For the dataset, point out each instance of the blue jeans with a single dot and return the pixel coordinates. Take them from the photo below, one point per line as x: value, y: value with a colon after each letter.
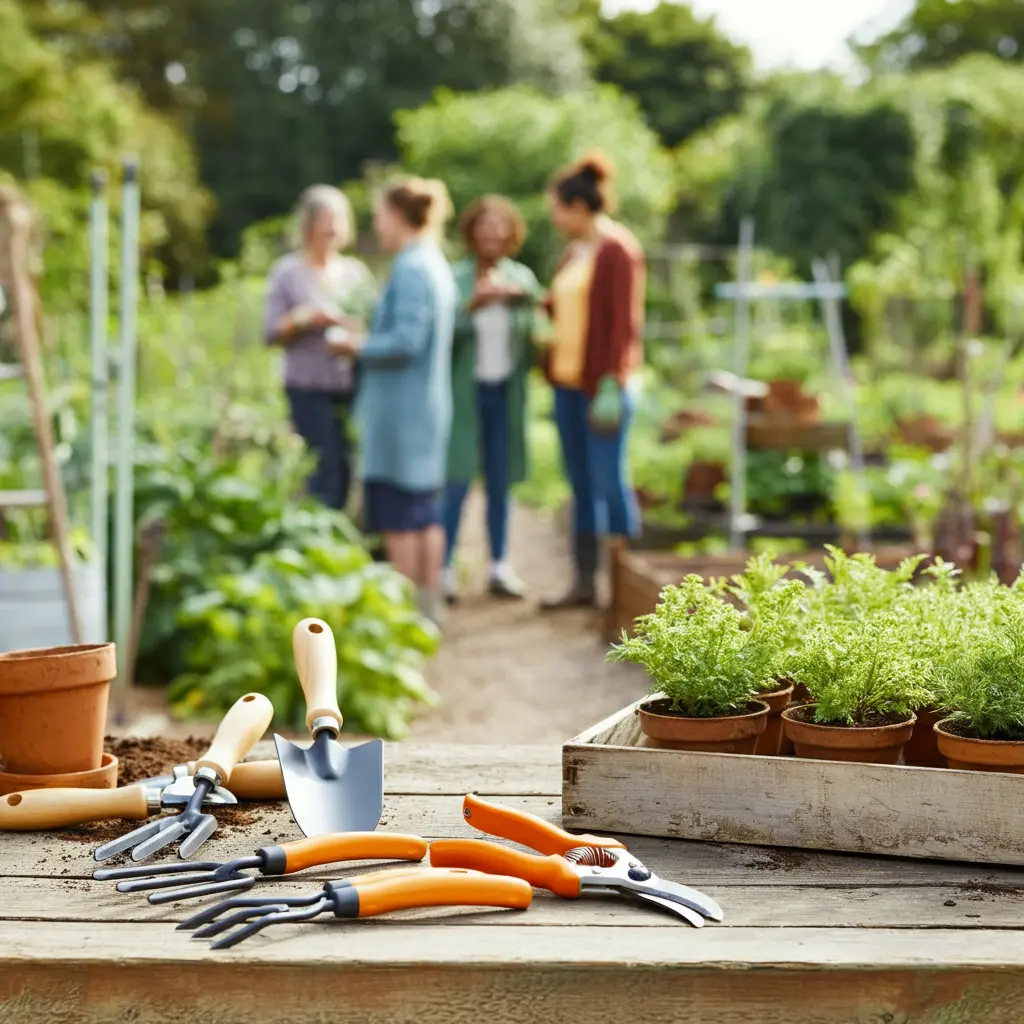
x: 322, y: 419
x: 492, y: 417
x: 597, y: 468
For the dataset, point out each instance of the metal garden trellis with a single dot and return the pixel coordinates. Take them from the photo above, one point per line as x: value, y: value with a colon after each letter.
x: 744, y: 292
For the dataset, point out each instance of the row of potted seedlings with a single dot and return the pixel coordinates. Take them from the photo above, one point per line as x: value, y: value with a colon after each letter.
x: 854, y: 664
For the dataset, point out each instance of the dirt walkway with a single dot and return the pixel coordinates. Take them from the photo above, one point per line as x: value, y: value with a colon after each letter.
x: 507, y: 673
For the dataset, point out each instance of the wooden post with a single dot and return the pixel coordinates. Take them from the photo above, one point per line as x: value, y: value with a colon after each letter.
x: 16, y: 229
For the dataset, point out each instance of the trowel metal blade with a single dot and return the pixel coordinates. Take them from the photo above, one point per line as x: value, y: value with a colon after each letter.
x: 345, y: 796
x: 180, y: 792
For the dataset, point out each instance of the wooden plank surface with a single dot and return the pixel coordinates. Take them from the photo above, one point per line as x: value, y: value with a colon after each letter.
x: 612, y: 782
x: 809, y: 938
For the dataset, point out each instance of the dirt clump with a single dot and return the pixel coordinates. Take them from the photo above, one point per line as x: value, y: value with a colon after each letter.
x: 139, y: 759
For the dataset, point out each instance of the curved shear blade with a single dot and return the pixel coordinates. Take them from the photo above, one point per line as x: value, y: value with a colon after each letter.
x: 685, y: 896
x: 670, y: 905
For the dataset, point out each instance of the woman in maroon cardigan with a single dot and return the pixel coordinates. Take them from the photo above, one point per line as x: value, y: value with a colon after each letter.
x: 597, y: 309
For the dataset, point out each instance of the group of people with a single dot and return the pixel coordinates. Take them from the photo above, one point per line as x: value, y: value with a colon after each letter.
x: 436, y: 380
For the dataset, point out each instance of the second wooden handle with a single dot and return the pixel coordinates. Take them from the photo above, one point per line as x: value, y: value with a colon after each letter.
x: 254, y: 780
x: 316, y: 661
x: 58, y: 808
x: 239, y: 731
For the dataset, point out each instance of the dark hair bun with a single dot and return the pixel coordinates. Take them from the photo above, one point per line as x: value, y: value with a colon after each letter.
x: 596, y: 165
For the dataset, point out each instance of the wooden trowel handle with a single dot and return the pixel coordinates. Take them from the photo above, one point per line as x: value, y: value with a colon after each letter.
x: 316, y: 660
x: 239, y: 731
x: 37, y: 809
x: 254, y: 780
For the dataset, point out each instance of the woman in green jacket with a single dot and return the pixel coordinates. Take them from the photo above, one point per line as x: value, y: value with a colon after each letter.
x: 491, y: 360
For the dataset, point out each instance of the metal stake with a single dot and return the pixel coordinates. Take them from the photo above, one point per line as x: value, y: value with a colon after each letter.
x: 738, y: 494
x: 124, y: 529
x: 99, y: 282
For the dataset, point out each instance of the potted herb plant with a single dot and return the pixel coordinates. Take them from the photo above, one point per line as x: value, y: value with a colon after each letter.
x: 864, y: 682
x: 758, y: 590
x: 706, y: 668
x: 981, y: 687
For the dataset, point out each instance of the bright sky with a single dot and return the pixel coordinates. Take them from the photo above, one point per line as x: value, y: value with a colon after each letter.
x: 805, y: 34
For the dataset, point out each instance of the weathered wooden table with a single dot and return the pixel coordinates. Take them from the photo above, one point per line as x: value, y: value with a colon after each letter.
x: 808, y: 939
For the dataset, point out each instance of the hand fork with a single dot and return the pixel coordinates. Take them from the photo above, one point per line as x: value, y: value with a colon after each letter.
x: 246, y: 721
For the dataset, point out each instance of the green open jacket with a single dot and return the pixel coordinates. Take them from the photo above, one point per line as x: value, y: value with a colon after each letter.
x: 464, y: 445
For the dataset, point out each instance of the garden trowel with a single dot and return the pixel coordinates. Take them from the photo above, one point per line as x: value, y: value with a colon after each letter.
x: 330, y: 787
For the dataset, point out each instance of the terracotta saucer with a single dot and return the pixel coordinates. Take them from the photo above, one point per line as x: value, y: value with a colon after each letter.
x: 104, y: 777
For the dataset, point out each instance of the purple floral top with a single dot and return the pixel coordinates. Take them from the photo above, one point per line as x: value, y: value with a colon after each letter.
x: 308, y: 362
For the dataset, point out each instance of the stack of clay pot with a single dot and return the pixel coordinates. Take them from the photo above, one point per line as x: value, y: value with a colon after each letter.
x: 53, y: 712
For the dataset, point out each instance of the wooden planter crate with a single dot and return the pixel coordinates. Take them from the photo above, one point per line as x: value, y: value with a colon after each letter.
x: 611, y: 782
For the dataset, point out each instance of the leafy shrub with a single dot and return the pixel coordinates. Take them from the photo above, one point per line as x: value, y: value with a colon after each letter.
x: 698, y: 653
x: 860, y: 672
x: 982, y: 683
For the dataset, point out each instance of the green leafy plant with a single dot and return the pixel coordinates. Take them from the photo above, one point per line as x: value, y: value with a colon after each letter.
x: 860, y: 672
x: 698, y: 653
x: 982, y: 684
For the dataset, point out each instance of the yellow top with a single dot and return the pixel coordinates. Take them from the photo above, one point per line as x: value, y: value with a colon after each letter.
x: 570, y: 290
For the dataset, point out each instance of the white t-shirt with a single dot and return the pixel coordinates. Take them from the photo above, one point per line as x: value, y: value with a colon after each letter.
x: 493, y: 343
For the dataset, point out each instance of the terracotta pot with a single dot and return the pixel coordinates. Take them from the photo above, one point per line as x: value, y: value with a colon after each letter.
x: 104, y: 777
x: 800, y: 696
x: 53, y: 708
x: 770, y: 741
x: 733, y: 734
x: 922, y: 751
x: 881, y: 745
x: 968, y: 754
x: 702, y: 478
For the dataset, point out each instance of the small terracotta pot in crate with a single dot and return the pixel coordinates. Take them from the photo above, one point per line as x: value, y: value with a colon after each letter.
x: 729, y: 734
x: 881, y: 744
x: 968, y: 754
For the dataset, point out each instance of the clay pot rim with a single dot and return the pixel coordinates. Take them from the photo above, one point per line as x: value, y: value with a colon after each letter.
x: 104, y: 777
x: 765, y: 694
x: 989, y: 744
x: 52, y: 669
x: 852, y: 729
x: 764, y: 709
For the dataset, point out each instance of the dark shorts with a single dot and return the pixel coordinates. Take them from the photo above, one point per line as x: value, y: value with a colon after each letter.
x: 391, y: 509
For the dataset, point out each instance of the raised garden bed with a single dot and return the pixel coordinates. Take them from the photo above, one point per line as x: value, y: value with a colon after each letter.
x: 613, y: 782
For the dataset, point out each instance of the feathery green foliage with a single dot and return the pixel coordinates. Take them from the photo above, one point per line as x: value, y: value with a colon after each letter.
x: 698, y: 653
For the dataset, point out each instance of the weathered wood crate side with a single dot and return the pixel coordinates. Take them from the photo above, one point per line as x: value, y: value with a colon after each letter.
x: 612, y: 783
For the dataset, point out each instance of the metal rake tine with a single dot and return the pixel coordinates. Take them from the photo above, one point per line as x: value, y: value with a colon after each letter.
x: 156, y: 843
x: 205, y: 828
x: 145, y: 884
x: 246, y: 901
x: 239, y: 884
x: 108, y: 874
x: 281, y: 917
x: 130, y: 839
x: 224, y: 923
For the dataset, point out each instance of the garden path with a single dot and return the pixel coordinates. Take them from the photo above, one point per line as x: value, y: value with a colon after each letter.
x: 508, y: 673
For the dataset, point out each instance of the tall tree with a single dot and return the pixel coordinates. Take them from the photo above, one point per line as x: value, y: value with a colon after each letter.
x: 683, y: 70
x: 938, y: 32
x: 279, y: 93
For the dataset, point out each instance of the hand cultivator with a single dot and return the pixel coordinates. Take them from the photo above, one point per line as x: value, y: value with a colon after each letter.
x: 175, y: 882
x: 241, y: 727
x: 362, y: 896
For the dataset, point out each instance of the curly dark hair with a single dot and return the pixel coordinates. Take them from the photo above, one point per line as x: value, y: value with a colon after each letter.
x: 501, y: 206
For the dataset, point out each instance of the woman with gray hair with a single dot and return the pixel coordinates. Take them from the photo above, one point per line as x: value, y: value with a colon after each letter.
x: 311, y: 291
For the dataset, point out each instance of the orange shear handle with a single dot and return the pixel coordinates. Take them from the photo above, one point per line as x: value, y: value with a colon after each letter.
x: 406, y: 890
x: 341, y: 846
x: 527, y: 829
x: 553, y: 873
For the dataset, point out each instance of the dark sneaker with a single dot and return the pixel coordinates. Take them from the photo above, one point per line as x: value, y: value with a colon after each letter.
x: 580, y: 596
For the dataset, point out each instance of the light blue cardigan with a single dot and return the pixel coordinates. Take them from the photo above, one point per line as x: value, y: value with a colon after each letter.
x: 404, y: 405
